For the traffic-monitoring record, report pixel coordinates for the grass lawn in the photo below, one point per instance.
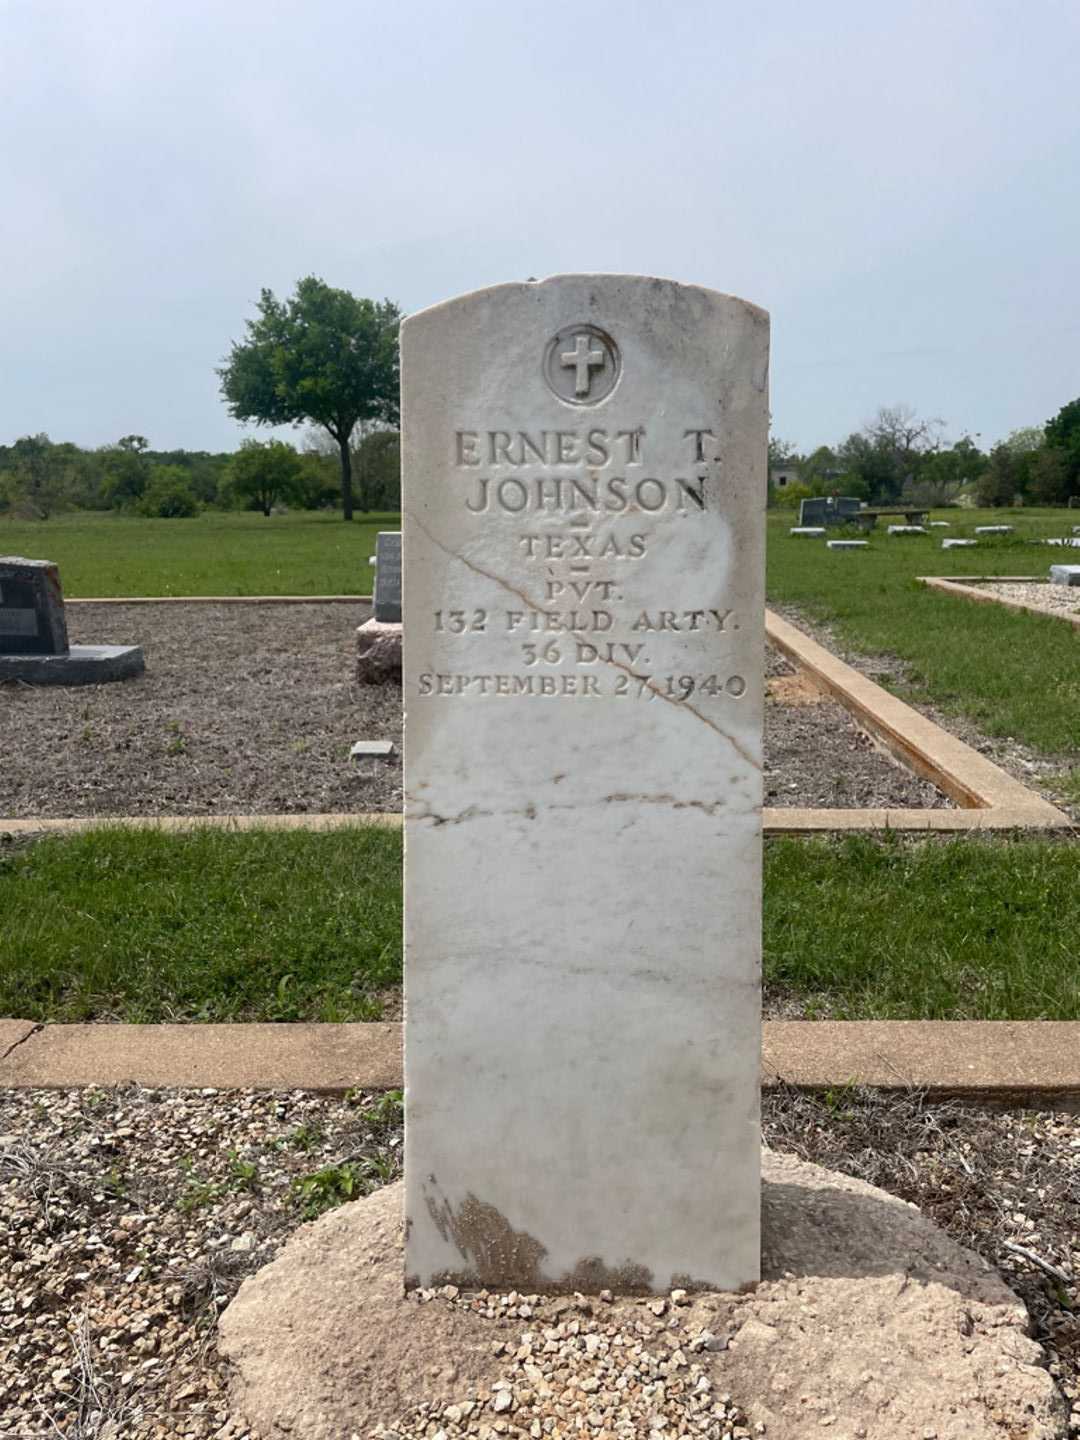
(206, 925)
(1012, 674)
(273, 925)
(217, 553)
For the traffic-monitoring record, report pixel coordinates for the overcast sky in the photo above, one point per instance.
(898, 184)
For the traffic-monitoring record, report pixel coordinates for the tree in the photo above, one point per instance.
(38, 476)
(888, 452)
(324, 356)
(127, 471)
(1063, 438)
(262, 474)
(377, 458)
(169, 495)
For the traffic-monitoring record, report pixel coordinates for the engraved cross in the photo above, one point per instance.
(583, 360)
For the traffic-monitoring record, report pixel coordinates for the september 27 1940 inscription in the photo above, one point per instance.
(584, 465)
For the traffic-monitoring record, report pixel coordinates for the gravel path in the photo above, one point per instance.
(253, 709)
(1054, 599)
(129, 1217)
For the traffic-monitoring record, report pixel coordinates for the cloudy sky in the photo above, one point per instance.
(898, 184)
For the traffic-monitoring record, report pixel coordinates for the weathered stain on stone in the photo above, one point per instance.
(495, 1254)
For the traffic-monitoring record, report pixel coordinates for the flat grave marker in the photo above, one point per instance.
(585, 476)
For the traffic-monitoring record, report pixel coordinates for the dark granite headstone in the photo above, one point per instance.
(829, 510)
(31, 608)
(34, 647)
(388, 576)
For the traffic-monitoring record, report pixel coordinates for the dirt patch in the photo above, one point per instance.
(253, 710)
(910, 1335)
(797, 689)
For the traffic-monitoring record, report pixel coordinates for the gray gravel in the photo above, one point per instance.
(1054, 599)
(129, 1217)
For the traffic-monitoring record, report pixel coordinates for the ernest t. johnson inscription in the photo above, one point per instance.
(617, 668)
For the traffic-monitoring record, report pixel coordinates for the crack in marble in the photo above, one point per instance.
(683, 705)
(531, 811)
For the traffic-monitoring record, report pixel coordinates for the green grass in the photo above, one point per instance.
(1011, 673)
(961, 929)
(302, 553)
(294, 925)
(205, 925)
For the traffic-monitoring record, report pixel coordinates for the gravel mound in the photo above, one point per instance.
(870, 1322)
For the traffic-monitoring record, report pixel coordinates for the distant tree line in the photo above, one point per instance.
(40, 478)
(900, 456)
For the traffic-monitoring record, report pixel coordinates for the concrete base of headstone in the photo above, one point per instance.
(808, 532)
(957, 544)
(1065, 574)
(939, 524)
(848, 544)
(378, 652)
(907, 529)
(993, 529)
(867, 1313)
(82, 665)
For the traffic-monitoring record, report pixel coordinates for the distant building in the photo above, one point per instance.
(781, 476)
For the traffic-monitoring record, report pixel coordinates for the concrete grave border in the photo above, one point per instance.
(1000, 1062)
(968, 589)
(989, 799)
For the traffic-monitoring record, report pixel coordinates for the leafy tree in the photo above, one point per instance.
(781, 452)
(944, 473)
(169, 495)
(1005, 477)
(377, 460)
(324, 356)
(1063, 438)
(127, 471)
(888, 453)
(263, 474)
(38, 478)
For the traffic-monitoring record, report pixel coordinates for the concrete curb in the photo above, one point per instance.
(967, 589)
(991, 798)
(999, 1061)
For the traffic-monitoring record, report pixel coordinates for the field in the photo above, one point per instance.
(301, 553)
(271, 925)
(1009, 673)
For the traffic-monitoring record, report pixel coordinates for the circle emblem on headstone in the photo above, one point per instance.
(582, 364)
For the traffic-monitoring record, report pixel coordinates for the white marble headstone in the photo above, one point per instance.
(585, 482)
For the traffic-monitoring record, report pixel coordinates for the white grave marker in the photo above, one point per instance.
(585, 479)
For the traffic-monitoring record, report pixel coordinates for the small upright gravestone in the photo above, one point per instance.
(584, 464)
(378, 640)
(33, 633)
(388, 576)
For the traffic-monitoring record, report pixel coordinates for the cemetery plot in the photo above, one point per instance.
(1060, 598)
(242, 710)
(816, 755)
